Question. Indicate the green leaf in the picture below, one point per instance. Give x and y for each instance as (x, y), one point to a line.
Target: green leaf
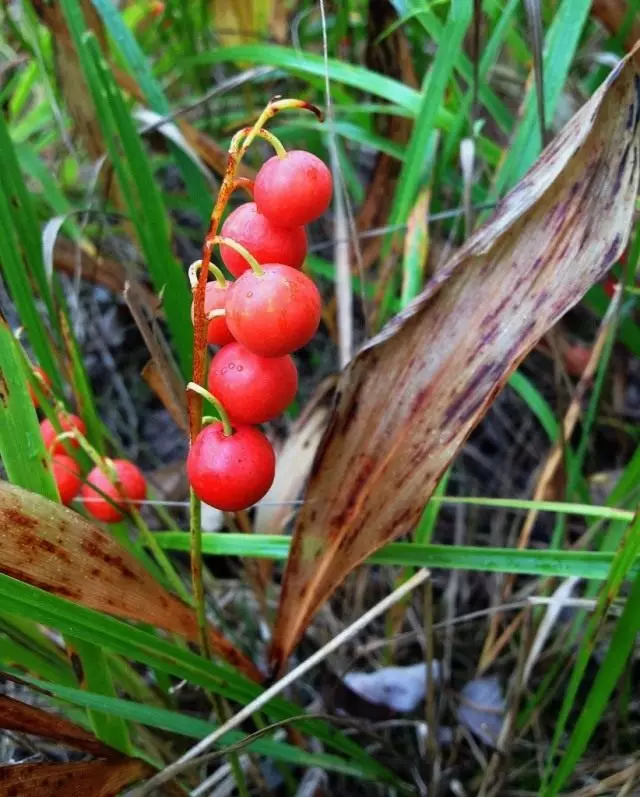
(194, 727)
(21, 446)
(23, 600)
(561, 43)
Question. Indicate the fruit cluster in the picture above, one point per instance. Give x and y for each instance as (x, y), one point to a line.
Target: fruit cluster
(269, 311)
(110, 488)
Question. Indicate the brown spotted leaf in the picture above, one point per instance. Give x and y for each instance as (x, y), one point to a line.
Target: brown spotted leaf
(55, 549)
(84, 779)
(22, 718)
(410, 398)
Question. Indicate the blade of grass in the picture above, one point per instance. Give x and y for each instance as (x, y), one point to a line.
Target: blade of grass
(612, 667)
(97, 678)
(21, 446)
(114, 635)
(136, 179)
(561, 564)
(561, 43)
(191, 727)
(138, 68)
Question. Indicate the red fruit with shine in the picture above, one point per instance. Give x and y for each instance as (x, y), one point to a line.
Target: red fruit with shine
(43, 378)
(293, 190)
(267, 242)
(215, 299)
(252, 389)
(274, 313)
(67, 423)
(131, 489)
(234, 472)
(68, 477)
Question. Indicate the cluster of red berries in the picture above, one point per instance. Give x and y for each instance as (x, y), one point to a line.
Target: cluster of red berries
(118, 480)
(270, 311)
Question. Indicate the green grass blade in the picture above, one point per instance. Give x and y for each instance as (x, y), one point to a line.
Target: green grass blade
(138, 68)
(561, 43)
(111, 729)
(431, 99)
(617, 654)
(21, 446)
(193, 727)
(136, 179)
(561, 564)
(114, 635)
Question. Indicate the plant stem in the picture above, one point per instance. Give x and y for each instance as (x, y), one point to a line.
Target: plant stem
(241, 250)
(213, 269)
(196, 574)
(224, 418)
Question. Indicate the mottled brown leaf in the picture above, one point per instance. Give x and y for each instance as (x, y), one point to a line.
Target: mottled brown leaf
(21, 718)
(411, 397)
(55, 549)
(84, 779)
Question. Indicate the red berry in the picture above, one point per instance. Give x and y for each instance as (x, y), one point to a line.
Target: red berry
(609, 285)
(214, 299)
(131, 488)
(264, 240)
(42, 378)
(576, 358)
(67, 423)
(252, 389)
(273, 313)
(68, 477)
(293, 190)
(231, 473)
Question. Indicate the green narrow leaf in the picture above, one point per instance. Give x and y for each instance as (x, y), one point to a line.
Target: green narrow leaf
(97, 676)
(21, 446)
(136, 179)
(562, 564)
(561, 43)
(110, 634)
(431, 99)
(195, 728)
(138, 68)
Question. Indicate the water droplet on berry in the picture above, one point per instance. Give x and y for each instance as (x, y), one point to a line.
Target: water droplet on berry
(250, 294)
(232, 366)
(239, 368)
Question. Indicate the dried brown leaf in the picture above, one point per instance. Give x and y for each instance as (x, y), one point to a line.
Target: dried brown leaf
(21, 718)
(84, 779)
(55, 549)
(408, 401)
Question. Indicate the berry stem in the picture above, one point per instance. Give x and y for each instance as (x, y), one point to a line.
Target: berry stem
(220, 313)
(275, 142)
(246, 183)
(195, 267)
(224, 418)
(241, 250)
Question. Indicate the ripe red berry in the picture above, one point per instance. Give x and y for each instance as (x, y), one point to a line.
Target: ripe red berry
(264, 240)
(293, 190)
(234, 472)
(67, 423)
(68, 477)
(252, 389)
(214, 299)
(273, 313)
(576, 358)
(131, 488)
(43, 378)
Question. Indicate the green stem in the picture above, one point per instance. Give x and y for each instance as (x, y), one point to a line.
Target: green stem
(224, 418)
(241, 250)
(195, 267)
(195, 531)
(161, 558)
(275, 142)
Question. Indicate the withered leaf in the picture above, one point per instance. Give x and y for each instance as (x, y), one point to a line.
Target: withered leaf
(22, 718)
(410, 398)
(55, 549)
(84, 779)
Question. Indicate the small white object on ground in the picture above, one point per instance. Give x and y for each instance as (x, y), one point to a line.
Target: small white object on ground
(398, 688)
